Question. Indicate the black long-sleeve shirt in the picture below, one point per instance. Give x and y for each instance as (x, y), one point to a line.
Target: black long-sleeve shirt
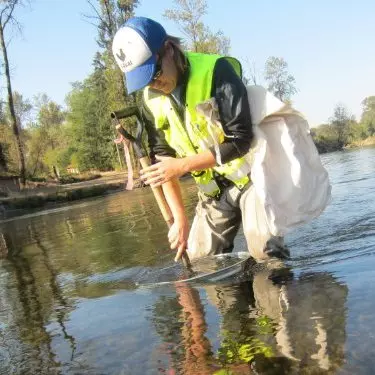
(234, 112)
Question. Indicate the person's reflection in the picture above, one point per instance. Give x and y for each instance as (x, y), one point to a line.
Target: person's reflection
(275, 323)
(310, 317)
(197, 347)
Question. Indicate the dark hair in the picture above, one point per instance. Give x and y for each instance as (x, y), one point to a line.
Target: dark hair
(178, 56)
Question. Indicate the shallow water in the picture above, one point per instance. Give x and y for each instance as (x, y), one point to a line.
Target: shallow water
(70, 304)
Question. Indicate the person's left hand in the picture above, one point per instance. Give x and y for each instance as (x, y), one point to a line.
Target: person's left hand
(178, 236)
(166, 169)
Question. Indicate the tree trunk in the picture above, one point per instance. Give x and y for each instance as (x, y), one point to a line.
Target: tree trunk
(56, 173)
(3, 160)
(13, 118)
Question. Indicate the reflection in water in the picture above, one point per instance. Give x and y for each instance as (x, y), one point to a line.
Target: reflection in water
(63, 307)
(29, 316)
(274, 323)
(34, 295)
(3, 246)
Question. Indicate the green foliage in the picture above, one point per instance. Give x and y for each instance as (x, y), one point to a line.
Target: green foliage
(232, 351)
(89, 119)
(280, 82)
(22, 109)
(50, 157)
(47, 138)
(9, 147)
(187, 15)
(325, 138)
(356, 131)
(67, 157)
(224, 372)
(35, 149)
(368, 115)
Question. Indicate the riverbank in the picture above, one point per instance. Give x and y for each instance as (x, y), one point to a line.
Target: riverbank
(49, 196)
(325, 147)
(37, 197)
(370, 141)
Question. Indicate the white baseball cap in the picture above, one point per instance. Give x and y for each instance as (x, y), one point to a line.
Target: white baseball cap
(135, 47)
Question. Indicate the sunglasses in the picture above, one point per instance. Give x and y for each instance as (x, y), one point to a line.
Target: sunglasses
(158, 70)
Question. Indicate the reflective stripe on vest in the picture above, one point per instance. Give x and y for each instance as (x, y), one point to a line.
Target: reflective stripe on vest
(192, 135)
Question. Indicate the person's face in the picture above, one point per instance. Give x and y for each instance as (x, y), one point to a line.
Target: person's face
(166, 76)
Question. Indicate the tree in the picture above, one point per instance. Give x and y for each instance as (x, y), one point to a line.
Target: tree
(7, 8)
(89, 119)
(280, 82)
(22, 109)
(368, 114)
(341, 122)
(50, 118)
(107, 17)
(10, 151)
(252, 74)
(187, 15)
(45, 136)
(356, 131)
(107, 81)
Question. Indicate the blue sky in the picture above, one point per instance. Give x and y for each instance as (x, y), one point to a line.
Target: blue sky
(328, 44)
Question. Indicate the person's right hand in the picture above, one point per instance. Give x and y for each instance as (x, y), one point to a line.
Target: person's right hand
(178, 236)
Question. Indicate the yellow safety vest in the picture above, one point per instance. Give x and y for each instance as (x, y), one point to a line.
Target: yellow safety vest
(192, 135)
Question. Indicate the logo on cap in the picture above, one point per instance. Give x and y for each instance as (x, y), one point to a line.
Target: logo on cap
(130, 49)
(122, 57)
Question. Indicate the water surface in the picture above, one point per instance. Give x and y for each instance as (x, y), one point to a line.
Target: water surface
(69, 302)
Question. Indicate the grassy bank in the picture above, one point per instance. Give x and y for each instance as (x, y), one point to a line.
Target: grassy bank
(41, 199)
(49, 196)
(370, 141)
(331, 145)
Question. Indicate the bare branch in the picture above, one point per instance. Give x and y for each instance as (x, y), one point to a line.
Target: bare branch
(98, 16)
(9, 17)
(90, 23)
(109, 26)
(3, 11)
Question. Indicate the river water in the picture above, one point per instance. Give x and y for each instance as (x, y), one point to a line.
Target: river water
(69, 303)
